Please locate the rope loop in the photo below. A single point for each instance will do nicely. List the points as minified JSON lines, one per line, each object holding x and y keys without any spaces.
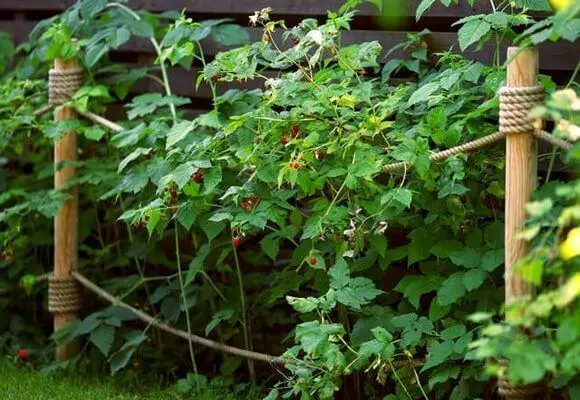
{"x":64,"y":295}
{"x":63,"y":84}
{"x":515,"y":104}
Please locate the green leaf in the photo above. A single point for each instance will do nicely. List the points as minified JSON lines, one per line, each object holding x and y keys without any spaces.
{"x":492,"y":259}
{"x":472,"y":31}
{"x":178,"y":132}
{"x":94,"y":54}
{"x":532,"y":270}
{"x":474,"y":278}
{"x":453,"y":332}
{"x":187,"y":214}
{"x":414,"y":286}
{"x":303,"y":305}
{"x":451,"y":290}
{"x":271,"y":245}
{"x":467,"y":257}
{"x":444,"y":248}
{"x":230,"y":35}
{"x":438,"y":354}
{"x":139,"y":151}
{"x":222,"y":315}
{"x":422,"y":7}
{"x":400,"y":195}
{"x":196,"y":265}
{"x":536,"y":5}
{"x":89,"y":8}
{"x":103,"y":337}
{"x":94,"y":133}
{"x":423,"y":93}
{"x":212,"y":179}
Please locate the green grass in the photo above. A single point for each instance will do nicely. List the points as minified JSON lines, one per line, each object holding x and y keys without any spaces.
{"x":19,"y":384}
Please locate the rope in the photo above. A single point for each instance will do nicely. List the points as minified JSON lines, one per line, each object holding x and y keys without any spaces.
{"x":553,"y":140}
{"x":515,"y":104}
{"x":63,"y":84}
{"x":178,"y":332}
{"x":64,"y":295}
{"x":97,"y":119}
{"x":475,"y":144}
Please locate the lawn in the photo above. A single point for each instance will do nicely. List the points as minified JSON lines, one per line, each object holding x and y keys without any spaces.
{"x":17,"y":384}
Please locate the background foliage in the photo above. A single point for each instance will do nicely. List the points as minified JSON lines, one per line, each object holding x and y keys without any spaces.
{"x":272,"y":213}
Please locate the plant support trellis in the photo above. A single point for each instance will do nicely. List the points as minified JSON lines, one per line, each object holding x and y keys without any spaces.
{"x":516,"y":100}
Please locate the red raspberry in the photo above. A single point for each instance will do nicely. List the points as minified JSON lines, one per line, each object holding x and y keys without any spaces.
{"x":23,"y":354}
{"x":237,"y":241}
{"x":254,"y":200}
{"x":295,"y":131}
{"x":284,"y":140}
{"x":246,"y":205}
{"x":313,"y":261}
{"x":198,"y":177}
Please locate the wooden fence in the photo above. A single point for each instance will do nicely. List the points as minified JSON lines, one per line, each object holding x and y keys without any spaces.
{"x":19,"y":17}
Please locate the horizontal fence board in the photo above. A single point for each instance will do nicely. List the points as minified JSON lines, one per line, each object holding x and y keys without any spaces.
{"x":247,"y":7}
{"x":561,"y":56}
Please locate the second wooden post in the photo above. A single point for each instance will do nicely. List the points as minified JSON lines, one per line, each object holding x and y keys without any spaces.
{"x":67,"y":220}
{"x":521,"y":177}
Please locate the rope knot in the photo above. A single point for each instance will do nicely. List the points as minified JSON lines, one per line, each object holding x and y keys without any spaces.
{"x":515,"y":104}
{"x":64,"y":295}
{"x":63,"y":84}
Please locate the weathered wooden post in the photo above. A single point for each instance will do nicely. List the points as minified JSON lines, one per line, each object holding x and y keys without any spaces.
{"x":64,"y":294}
{"x":521,"y":169}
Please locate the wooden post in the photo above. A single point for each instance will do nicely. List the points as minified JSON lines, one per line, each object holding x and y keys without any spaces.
{"x":66,"y":221}
{"x":521,"y":175}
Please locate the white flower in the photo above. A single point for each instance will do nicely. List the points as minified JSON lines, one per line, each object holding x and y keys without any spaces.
{"x":316,"y":36}
{"x":273,"y":83}
{"x":254,"y":18}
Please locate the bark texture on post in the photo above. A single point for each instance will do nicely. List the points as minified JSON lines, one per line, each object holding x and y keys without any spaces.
{"x":521,"y":175}
{"x":521,"y":178}
{"x":66,"y":221}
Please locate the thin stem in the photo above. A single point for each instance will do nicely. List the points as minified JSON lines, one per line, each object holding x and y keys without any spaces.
{"x":244,"y":316}
{"x":184,"y":299}
{"x":399,"y":379}
{"x":158,"y":51}
{"x":419,"y":384}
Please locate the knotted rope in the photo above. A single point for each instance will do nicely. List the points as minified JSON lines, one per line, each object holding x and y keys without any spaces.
{"x":63,"y":84}
{"x":64,"y":295}
{"x":515,"y":104}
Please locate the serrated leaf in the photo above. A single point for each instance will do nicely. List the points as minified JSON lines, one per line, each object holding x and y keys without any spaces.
{"x":451,"y":290}
{"x":422,"y":7}
{"x":196,"y":265}
{"x":438,"y":354}
{"x":187,"y":214}
{"x":178,"y":132}
{"x":472,"y":31}
{"x":212,"y":179}
{"x":303,"y":305}
{"x":271,"y":245}
{"x":103,"y":337}
{"x":230,"y":35}
{"x":423,"y":93}
{"x":222,"y":315}
{"x":474,"y":278}
{"x":139,"y":151}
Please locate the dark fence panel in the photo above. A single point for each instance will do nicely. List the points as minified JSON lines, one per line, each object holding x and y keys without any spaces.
{"x":557,"y":59}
